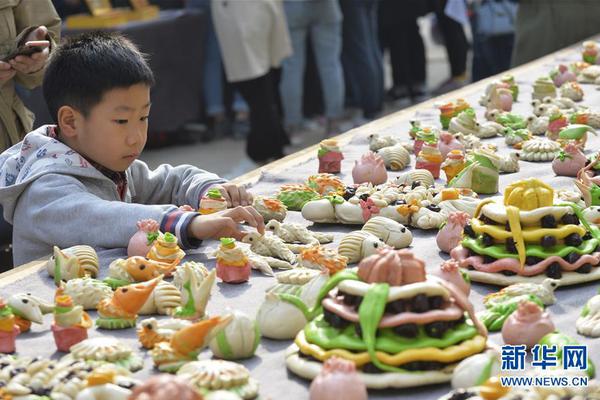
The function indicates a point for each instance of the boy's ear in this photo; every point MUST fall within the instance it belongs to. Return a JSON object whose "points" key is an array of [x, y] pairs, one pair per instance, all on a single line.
{"points": [[68, 121]]}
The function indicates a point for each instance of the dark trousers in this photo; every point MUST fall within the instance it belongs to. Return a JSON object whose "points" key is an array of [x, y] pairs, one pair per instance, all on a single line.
{"points": [[399, 32], [491, 55], [361, 55], [267, 136], [455, 39], [5, 240]]}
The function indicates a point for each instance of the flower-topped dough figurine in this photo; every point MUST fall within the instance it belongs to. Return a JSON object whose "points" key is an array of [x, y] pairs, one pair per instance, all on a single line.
{"points": [[165, 249], [185, 344], [141, 242], [120, 311], [330, 157], [527, 238], [232, 263], [8, 328], [450, 110], [453, 164], [589, 53], [326, 184], [70, 323], [73, 262], [430, 158], [399, 326], [369, 169], [294, 197], [512, 85], [270, 209], [212, 202]]}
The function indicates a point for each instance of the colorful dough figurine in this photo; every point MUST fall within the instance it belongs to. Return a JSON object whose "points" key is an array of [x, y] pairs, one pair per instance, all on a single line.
{"points": [[209, 376], [572, 90], [70, 323], [528, 238], [103, 385], [330, 157], [195, 284], [539, 150], [585, 117], [475, 370], [152, 331], [141, 241], [377, 142], [270, 246], [238, 340], [576, 134], [338, 379], [560, 340], [395, 157], [164, 300], [120, 311], [527, 325], [481, 173], [589, 52], [294, 197], [370, 169], [326, 184], [556, 122], [165, 249], [379, 318], [164, 386], [100, 350], [86, 292], [424, 135], [512, 85], [357, 245], [448, 142], [232, 263], [73, 262], [543, 291], [516, 137], [296, 233], [538, 125], [270, 209], [450, 235], [451, 110], [186, 344], [8, 329], [322, 259], [465, 122], [542, 87], [453, 164], [122, 272], [392, 233], [569, 161], [430, 158], [212, 202], [28, 308], [588, 323], [498, 97], [561, 75]]}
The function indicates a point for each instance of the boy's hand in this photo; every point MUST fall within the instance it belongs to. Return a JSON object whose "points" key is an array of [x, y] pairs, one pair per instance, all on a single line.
{"points": [[235, 195], [37, 61], [6, 73], [225, 223]]}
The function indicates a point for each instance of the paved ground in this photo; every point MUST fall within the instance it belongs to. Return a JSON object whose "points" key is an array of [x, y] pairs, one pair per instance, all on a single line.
{"points": [[227, 157]]}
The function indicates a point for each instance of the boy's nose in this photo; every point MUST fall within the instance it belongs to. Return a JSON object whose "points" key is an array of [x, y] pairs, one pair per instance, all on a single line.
{"points": [[135, 136]]}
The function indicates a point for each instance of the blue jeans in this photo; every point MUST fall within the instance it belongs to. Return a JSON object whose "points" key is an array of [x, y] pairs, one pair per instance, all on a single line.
{"points": [[361, 55], [212, 80], [322, 20]]}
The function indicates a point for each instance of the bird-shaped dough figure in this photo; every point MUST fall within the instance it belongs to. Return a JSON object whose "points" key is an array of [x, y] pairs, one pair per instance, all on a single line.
{"points": [[120, 311], [270, 246], [137, 269], [195, 291], [186, 343], [588, 323], [377, 142], [152, 331], [266, 264], [538, 125], [296, 233], [544, 291]]}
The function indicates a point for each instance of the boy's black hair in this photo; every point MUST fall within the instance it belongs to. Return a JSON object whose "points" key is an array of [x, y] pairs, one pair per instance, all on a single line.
{"points": [[82, 69]]}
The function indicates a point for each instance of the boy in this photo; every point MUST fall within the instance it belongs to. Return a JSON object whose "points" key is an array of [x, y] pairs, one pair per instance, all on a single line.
{"points": [[79, 181]]}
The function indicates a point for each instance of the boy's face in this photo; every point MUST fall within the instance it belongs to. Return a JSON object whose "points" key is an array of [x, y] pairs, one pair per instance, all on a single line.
{"points": [[115, 131]]}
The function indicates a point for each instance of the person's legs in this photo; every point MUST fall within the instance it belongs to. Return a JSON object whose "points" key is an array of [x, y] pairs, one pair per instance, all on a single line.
{"points": [[267, 137], [292, 77], [326, 36], [377, 86]]}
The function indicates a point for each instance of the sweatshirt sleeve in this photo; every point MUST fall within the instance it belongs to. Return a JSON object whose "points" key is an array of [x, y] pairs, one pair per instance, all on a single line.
{"points": [[59, 210], [166, 184]]}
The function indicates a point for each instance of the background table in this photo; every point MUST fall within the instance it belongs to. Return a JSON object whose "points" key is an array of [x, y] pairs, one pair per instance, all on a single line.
{"points": [[268, 366]]}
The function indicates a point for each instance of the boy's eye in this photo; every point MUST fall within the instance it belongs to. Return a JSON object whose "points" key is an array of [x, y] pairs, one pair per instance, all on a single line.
{"points": [[145, 118], [120, 121]]}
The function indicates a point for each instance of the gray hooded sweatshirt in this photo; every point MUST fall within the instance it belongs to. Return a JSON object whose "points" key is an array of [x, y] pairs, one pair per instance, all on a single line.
{"points": [[53, 196]]}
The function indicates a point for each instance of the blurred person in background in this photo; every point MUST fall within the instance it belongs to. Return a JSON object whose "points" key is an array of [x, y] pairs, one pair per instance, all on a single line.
{"points": [[213, 84], [254, 39], [399, 33], [361, 56], [455, 42], [321, 21], [544, 26], [23, 21], [493, 27]]}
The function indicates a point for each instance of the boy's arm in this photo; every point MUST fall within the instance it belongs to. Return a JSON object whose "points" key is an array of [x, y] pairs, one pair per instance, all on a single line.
{"points": [[166, 184], [59, 210], [29, 15]]}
